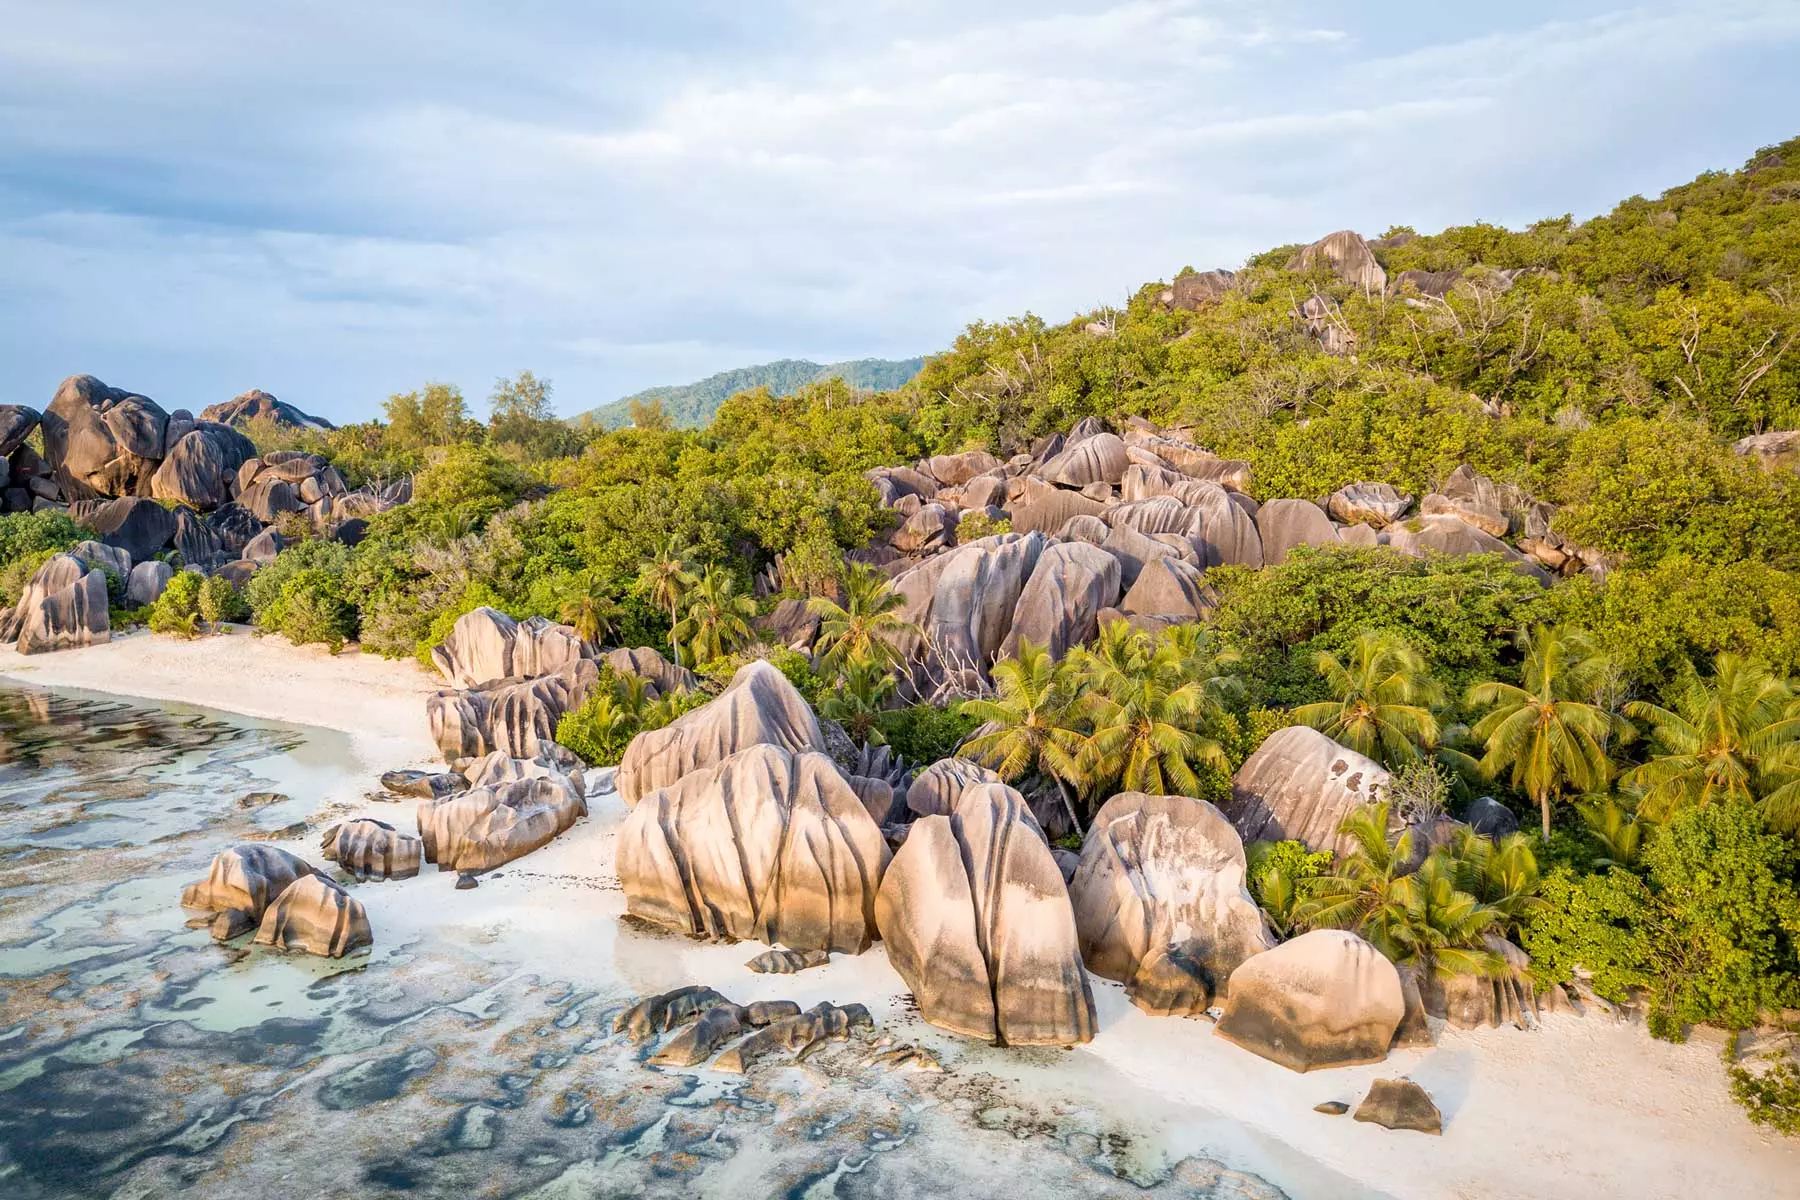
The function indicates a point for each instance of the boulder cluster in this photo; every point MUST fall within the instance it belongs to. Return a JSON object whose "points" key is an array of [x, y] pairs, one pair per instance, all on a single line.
{"points": [[148, 482], [1104, 526], [286, 901]]}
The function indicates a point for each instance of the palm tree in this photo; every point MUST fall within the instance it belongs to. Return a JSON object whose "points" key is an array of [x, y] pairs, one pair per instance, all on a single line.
{"points": [[1618, 829], [718, 617], [1733, 737], [594, 614], [1501, 874], [1148, 719], [1031, 722], [1381, 700], [1546, 737], [665, 578], [856, 701], [1415, 917], [866, 624]]}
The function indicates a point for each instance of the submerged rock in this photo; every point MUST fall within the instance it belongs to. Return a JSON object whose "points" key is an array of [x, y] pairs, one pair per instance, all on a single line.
{"points": [[317, 916], [1325, 999], [978, 922], [766, 845]]}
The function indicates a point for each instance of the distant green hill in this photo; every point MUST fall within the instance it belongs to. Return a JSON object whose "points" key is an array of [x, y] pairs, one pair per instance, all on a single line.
{"points": [[693, 405]]}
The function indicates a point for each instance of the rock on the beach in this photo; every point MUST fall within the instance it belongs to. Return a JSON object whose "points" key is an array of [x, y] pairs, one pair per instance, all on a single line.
{"points": [[698, 1041], [371, 849], [245, 879], [1471, 1001], [147, 581], [1400, 1104], [486, 827], [767, 845], [1325, 999], [64, 607], [760, 707], [821, 1023], [787, 962], [315, 915], [1162, 872], [936, 789], [424, 785], [517, 716], [977, 922], [478, 650], [665, 1011], [1300, 784]]}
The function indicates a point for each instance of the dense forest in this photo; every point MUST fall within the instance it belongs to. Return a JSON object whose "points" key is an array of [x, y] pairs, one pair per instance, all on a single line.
{"points": [[689, 406], [1623, 369]]}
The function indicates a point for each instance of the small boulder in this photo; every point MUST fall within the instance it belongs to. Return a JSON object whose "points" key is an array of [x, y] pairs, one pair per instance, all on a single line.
{"points": [[147, 581], [1490, 818], [370, 849], [1400, 1104], [1284, 524], [787, 962]]}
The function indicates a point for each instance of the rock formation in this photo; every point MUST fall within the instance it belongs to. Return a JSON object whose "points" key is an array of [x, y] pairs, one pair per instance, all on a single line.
{"points": [[1300, 784], [64, 607], [257, 404], [240, 886], [766, 844], [1325, 999], [977, 921], [315, 915], [485, 827], [1160, 902], [370, 849], [1400, 1104], [936, 790]]}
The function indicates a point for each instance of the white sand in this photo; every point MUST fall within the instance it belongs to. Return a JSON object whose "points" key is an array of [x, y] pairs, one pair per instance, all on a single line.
{"points": [[1582, 1107]]}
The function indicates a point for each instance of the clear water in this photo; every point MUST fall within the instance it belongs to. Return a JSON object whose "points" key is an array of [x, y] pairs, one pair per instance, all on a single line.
{"points": [[138, 1059]]}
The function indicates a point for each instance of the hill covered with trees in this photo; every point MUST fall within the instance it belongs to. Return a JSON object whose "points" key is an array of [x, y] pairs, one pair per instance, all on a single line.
{"points": [[692, 405]]}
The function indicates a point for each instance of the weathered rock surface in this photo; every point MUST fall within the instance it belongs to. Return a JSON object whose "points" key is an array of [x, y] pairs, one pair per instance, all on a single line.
{"points": [[1300, 784], [315, 915], [1371, 504], [16, 424], [518, 716], [665, 1011], [648, 663], [1349, 257], [64, 607], [483, 828], [1060, 604], [246, 880], [1442, 534], [135, 524], [1284, 524], [147, 581], [1489, 817], [1470, 1001], [1168, 587], [936, 790], [977, 921], [257, 404], [1100, 458], [424, 785], [822, 1023], [101, 441], [1325, 999], [767, 844], [1160, 892], [371, 849], [1400, 1104], [787, 962], [202, 466], [696, 1043], [759, 707]]}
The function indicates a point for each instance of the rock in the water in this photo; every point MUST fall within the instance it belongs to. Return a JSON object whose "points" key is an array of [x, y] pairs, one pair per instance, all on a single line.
{"points": [[1301, 785], [245, 879], [936, 789], [315, 915], [64, 607], [147, 581], [485, 827], [1400, 1104], [1284, 524], [977, 921], [1159, 872], [760, 707], [787, 962], [1325, 999], [766, 845], [371, 849]]}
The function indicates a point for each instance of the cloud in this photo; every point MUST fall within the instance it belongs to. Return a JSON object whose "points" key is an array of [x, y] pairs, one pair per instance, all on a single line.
{"points": [[334, 202]]}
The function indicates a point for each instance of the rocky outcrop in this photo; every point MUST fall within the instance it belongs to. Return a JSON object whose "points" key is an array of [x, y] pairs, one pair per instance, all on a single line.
{"points": [[240, 886], [759, 707], [16, 424], [1400, 1104], [767, 843], [1194, 290], [147, 581], [1160, 902], [370, 849], [1490, 818], [977, 921], [517, 716], [1300, 784], [64, 607], [102, 441], [315, 915], [201, 469], [1325, 999], [963, 602], [1060, 604], [1349, 258], [1371, 504], [1284, 524], [666, 679], [257, 404], [936, 789], [485, 827], [1097, 459], [1168, 587], [140, 526], [1444, 534], [1472, 1001], [824, 1022]]}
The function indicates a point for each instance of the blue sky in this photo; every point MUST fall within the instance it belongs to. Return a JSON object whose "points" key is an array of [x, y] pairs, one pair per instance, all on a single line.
{"points": [[336, 201]]}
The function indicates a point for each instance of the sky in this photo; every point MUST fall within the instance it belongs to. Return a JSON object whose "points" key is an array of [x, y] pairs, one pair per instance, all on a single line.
{"points": [[334, 202]]}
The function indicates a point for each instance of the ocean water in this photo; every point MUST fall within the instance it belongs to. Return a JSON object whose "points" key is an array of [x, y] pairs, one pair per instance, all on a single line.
{"points": [[139, 1059]]}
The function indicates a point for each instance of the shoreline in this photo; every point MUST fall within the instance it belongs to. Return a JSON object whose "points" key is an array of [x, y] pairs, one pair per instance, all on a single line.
{"points": [[1581, 1105]]}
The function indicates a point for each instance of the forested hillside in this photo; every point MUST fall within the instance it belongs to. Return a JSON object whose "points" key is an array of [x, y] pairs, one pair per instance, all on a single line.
{"points": [[692, 405]]}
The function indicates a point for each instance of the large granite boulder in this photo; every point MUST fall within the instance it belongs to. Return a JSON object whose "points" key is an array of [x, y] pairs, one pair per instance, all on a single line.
{"points": [[936, 789], [1443, 534], [257, 404], [977, 921], [1194, 290], [1044, 508], [201, 468], [954, 470], [233, 527], [1300, 784], [102, 441], [64, 607], [371, 849], [518, 716], [1160, 901], [768, 844], [16, 424], [269, 497], [240, 885], [1284, 524], [486, 645], [1371, 504], [759, 707], [1060, 605], [1168, 587], [927, 530], [646, 662], [1097, 459], [136, 524], [1349, 258], [485, 827], [1471, 1001], [1325, 999], [147, 581], [315, 915], [963, 603]]}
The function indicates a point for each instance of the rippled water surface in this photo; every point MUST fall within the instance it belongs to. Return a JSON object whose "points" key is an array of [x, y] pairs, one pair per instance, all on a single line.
{"points": [[138, 1059]]}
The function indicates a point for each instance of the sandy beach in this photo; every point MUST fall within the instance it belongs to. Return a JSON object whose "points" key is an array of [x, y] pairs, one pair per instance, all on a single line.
{"points": [[1580, 1107]]}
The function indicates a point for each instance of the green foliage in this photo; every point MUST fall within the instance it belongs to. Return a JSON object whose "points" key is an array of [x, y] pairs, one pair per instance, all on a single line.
{"points": [[177, 610], [615, 711], [1770, 1094], [925, 733], [1597, 923], [220, 601], [977, 525], [471, 481], [1280, 875], [694, 404], [27, 540], [1381, 700], [311, 608]]}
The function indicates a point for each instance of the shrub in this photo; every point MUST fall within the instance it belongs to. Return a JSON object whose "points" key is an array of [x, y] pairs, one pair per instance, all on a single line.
{"points": [[1771, 1095], [220, 601], [311, 608], [36, 536], [1279, 874], [924, 733], [177, 610]]}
